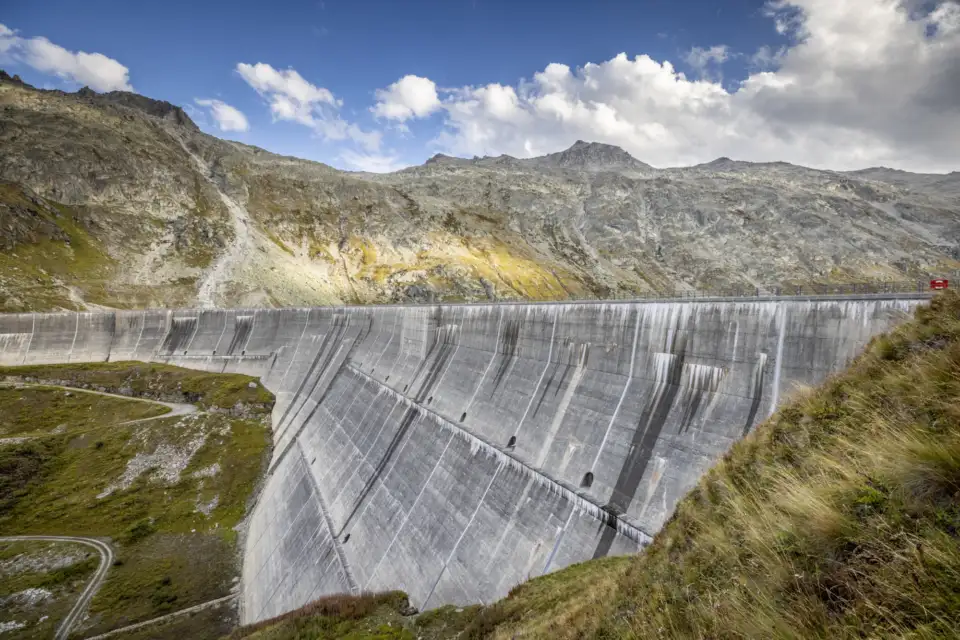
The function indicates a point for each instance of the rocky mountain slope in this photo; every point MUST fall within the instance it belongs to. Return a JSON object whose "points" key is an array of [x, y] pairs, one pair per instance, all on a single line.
{"points": [[119, 200]]}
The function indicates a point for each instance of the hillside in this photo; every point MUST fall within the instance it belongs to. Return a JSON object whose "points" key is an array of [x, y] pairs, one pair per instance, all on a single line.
{"points": [[119, 200], [839, 517], [165, 487]]}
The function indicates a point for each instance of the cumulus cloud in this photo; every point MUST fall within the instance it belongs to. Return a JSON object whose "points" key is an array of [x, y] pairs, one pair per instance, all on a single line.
{"points": [[293, 98], [95, 70], [863, 82], [371, 162], [409, 97], [228, 118]]}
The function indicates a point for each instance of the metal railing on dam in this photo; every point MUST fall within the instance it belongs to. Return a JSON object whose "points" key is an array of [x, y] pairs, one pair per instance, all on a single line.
{"points": [[453, 451]]}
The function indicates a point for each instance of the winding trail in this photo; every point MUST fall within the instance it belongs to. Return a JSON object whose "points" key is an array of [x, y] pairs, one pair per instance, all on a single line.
{"points": [[106, 559], [176, 408], [170, 616]]}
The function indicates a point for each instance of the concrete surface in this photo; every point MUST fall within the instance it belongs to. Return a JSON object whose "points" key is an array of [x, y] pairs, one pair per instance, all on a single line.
{"points": [[454, 451]]}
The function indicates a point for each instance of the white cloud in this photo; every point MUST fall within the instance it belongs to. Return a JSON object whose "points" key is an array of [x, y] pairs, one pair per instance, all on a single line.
{"points": [[95, 70], [863, 82], [701, 59], [409, 97], [293, 98], [228, 118], [766, 58], [371, 162], [947, 17], [8, 39]]}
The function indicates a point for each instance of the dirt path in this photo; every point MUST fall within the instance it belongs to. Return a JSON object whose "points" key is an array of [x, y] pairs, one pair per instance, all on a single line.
{"points": [[176, 408], [106, 553], [169, 616], [106, 559]]}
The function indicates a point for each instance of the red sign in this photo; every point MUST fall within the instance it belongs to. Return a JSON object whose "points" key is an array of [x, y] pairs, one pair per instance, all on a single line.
{"points": [[939, 283]]}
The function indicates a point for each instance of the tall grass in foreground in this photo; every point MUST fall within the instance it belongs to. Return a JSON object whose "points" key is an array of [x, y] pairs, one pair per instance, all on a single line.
{"points": [[839, 517]]}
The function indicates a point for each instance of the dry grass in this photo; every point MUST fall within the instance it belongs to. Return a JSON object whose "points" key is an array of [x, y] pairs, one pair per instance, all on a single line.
{"points": [[327, 617], [567, 604]]}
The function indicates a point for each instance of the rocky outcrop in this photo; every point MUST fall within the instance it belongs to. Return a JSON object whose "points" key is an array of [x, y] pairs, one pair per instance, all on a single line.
{"points": [[157, 108], [14, 79], [591, 156], [26, 219]]}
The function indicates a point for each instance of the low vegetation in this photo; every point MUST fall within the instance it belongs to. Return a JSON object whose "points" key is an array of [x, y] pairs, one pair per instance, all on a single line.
{"points": [[152, 380], [168, 492], [839, 517], [39, 584], [384, 616]]}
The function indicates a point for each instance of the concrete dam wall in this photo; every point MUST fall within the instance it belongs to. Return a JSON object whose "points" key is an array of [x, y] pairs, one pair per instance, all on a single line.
{"points": [[455, 451]]}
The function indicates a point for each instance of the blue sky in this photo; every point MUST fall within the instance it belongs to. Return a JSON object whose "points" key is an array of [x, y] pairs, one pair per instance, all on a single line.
{"points": [[183, 51]]}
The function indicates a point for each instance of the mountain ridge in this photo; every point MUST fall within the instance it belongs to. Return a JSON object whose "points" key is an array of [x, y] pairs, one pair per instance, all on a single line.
{"points": [[174, 216]]}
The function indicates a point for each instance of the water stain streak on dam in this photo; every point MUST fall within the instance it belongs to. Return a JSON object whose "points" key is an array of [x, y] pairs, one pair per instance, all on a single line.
{"points": [[454, 451]]}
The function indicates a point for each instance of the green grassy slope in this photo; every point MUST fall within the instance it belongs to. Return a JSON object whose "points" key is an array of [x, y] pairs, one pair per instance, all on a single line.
{"points": [[154, 381], [168, 492], [837, 518]]}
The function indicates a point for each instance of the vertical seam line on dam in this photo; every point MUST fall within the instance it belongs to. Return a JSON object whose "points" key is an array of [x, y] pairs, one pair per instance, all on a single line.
{"points": [[407, 515], [73, 344], [486, 370], [463, 533], [143, 323], [33, 332], [546, 367]]}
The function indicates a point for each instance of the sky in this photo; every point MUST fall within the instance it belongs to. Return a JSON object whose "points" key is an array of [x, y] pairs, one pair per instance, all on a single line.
{"points": [[377, 85]]}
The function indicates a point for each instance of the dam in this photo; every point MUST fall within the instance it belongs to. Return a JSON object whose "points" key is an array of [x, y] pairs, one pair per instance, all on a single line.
{"points": [[454, 451]]}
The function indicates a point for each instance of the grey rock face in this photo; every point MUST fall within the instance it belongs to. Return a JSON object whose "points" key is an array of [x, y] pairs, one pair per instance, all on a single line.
{"points": [[157, 108], [590, 156]]}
